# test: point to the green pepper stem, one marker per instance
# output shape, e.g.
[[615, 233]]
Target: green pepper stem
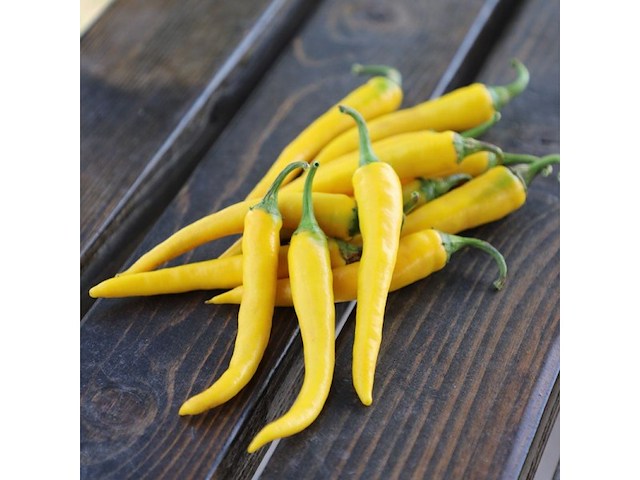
[[503, 94], [440, 186], [432, 188], [528, 172], [468, 146], [482, 128], [382, 70], [515, 158], [453, 243], [270, 200], [366, 150], [308, 220]]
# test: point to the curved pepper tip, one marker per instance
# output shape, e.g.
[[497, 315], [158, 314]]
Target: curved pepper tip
[[189, 407], [258, 441], [365, 396]]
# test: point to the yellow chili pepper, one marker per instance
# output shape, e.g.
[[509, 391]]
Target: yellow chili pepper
[[419, 255], [378, 193], [218, 273], [312, 292], [484, 199], [458, 210], [224, 273], [261, 244], [336, 215], [459, 110], [416, 154], [380, 95], [474, 163]]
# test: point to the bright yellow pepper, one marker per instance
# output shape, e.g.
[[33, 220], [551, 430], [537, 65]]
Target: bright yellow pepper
[[416, 154], [261, 243], [380, 95], [486, 198], [312, 293], [218, 273], [378, 193], [224, 273], [481, 200], [419, 255], [336, 215], [459, 110]]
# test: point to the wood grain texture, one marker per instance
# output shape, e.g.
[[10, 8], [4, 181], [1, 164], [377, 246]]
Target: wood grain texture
[[159, 80], [142, 65], [465, 383], [142, 357], [459, 362]]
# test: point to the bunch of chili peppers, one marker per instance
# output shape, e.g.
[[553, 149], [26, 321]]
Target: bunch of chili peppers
[[374, 196]]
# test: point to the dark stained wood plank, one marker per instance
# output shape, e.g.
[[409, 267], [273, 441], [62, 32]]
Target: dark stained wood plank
[[155, 352], [142, 65], [467, 382], [159, 80]]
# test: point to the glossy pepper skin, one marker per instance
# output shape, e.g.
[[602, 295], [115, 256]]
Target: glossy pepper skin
[[336, 215], [312, 292], [381, 94], [483, 199], [414, 261], [261, 244], [217, 273], [224, 273], [378, 193], [419, 255], [459, 110], [416, 154]]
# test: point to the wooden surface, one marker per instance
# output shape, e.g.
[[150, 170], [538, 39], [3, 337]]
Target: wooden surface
[[158, 84], [468, 379]]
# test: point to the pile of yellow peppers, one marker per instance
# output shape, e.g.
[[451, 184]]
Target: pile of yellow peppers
[[374, 196]]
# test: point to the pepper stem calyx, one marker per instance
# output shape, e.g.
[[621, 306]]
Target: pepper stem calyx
[[468, 146], [270, 200], [431, 188], [308, 220]]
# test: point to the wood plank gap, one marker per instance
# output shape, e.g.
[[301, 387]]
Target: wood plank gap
[[272, 448], [194, 135], [288, 363], [476, 46]]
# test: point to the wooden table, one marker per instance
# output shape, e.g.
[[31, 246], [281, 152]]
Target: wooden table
[[184, 105]]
